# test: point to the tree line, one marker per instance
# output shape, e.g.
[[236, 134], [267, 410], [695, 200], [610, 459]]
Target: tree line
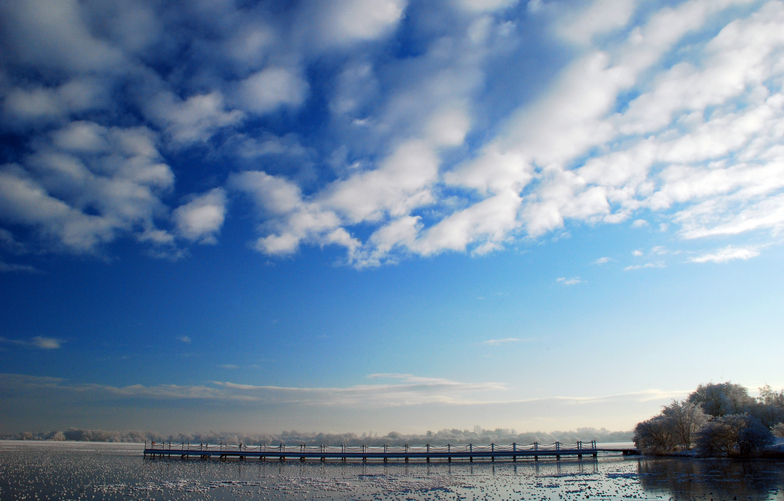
[[447, 436], [715, 420]]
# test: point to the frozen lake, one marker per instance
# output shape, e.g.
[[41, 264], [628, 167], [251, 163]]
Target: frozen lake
[[80, 470]]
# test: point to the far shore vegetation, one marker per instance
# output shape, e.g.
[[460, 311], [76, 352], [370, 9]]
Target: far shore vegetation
[[454, 436], [716, 420]]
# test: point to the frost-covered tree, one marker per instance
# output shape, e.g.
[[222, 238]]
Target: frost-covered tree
[[686, 418], [770, 406], [722, 399], [733, 435], [672, 430], [655, 436]]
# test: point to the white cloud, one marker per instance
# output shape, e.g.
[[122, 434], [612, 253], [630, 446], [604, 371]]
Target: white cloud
[[35, 104], [569, 281], [17, 268], [603, 260], [201, 218], [644, 266], [637, 253], [295, 219], [87, 184], [485, 5], [419, 155], [399, 185], [601, 16], [404, 390], [496, 342], [56, 36], [184, 339], [726, 254], [41, 342], [47, 343], [272, 88], [193, 119], [347, 21]]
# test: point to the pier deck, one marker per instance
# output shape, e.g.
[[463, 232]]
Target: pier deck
[[384, 453]]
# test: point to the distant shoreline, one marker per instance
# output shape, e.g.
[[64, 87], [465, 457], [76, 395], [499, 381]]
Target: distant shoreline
[[443, 437]]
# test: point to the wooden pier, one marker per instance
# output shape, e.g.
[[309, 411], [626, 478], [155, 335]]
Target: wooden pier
[[384, 453]]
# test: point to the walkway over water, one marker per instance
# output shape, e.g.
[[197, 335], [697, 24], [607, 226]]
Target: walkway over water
[[383, 453]]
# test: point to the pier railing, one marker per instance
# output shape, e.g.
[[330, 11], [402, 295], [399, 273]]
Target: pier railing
[[364, 452]]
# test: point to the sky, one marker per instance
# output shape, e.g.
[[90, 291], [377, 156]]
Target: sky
[[378, 215]]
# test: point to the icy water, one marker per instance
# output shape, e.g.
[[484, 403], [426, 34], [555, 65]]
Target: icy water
[[88, 471]]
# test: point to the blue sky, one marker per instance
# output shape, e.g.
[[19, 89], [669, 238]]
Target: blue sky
[[377, 215]]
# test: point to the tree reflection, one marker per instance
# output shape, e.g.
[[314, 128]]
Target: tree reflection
[[712, 479]]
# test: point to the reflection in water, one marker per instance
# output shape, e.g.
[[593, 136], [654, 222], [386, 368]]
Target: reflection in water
[[117, 472], [712, 479]]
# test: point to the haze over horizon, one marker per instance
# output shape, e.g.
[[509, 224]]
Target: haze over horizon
[[386, 215]]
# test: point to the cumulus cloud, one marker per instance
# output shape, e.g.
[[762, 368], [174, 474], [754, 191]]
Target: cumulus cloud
[[201, 218], [272, 88], [726, 254], [196, 118], [85, 184], [56, 36], [344, 22], [447, 142], [25, 106]]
